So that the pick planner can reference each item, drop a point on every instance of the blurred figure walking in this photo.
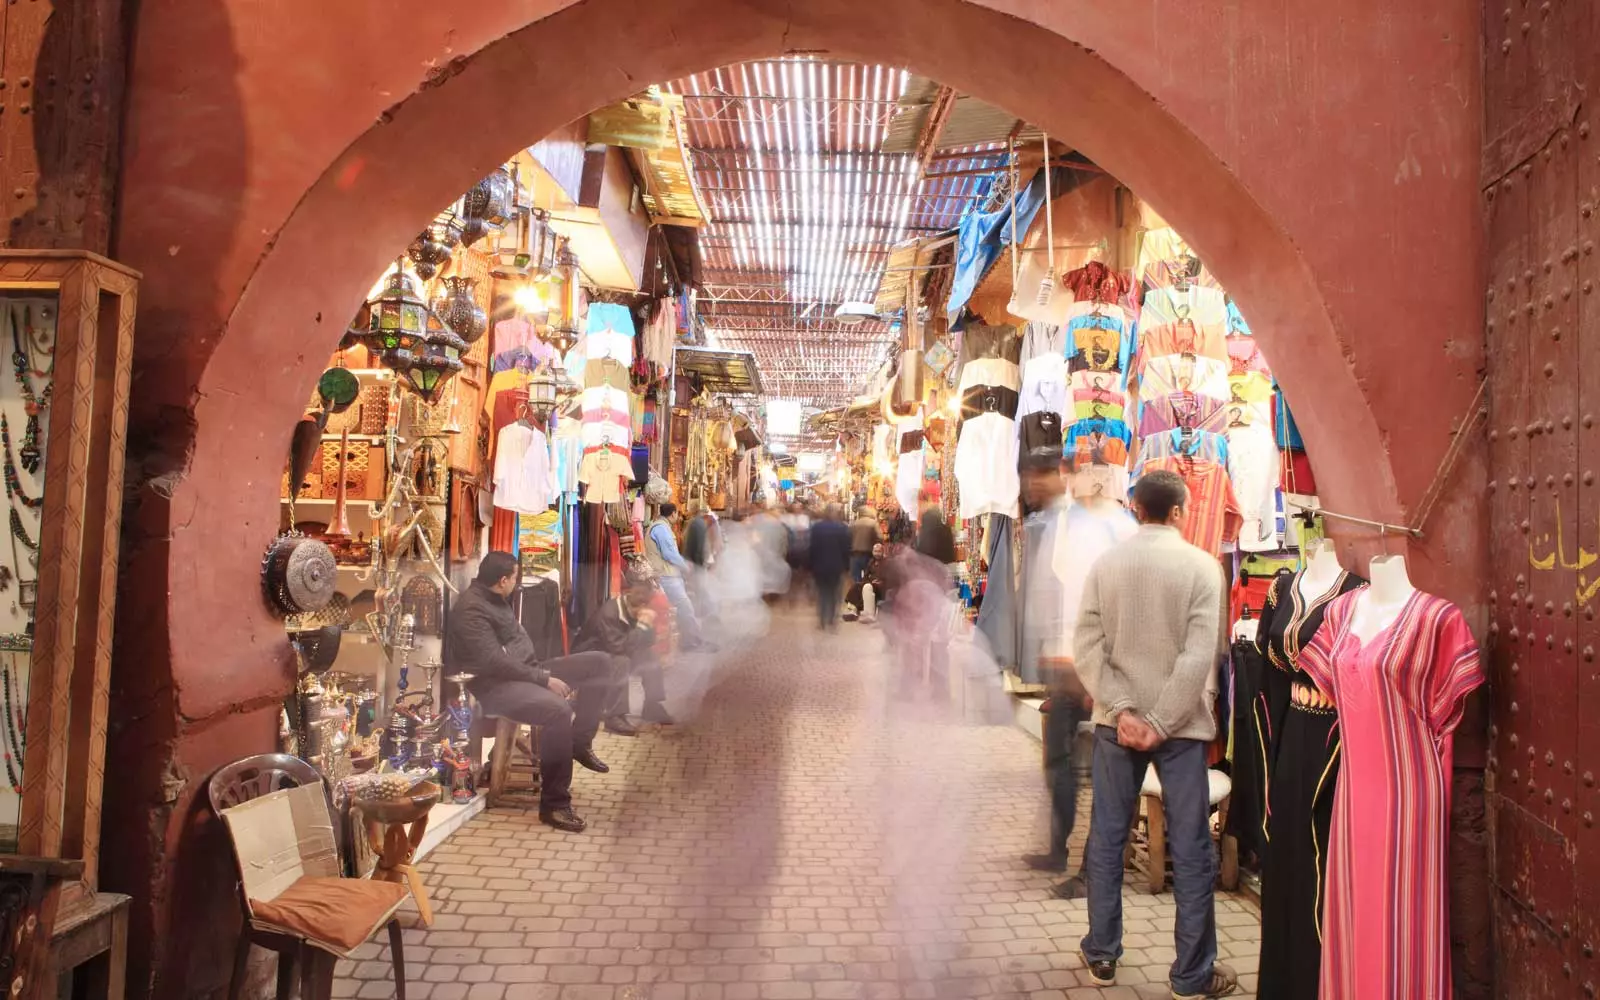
(830, 559)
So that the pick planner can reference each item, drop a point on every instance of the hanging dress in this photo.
(1298, 728)
(1386, 926)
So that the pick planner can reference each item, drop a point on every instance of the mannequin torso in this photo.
(1321, 573)
(1384, 600)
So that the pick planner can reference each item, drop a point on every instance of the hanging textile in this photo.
(983, 235)
(997, 618)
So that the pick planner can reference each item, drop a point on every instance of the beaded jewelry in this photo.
(13, 477)
(36, 404)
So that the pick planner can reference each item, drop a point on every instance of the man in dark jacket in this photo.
(624, 629)
(830, 560)
(486, 640)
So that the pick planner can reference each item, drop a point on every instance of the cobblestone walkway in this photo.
(801, 837)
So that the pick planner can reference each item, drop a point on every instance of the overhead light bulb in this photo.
(529, 300)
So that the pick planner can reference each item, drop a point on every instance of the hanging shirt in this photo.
(603, 472)
(1250, 398)
(567, 448)
(1253, 467)
(608, 317)
(1106, 404)
(516, 344)
(1097, 441)
(1182, 337)
(1039, 339)
(1211, 516)
(986, 443)
(1202, 306)
(909, 462)
(1244, 356)
(1044, 385)
(1178, 410)
(1183, 444)
(522, 470)
(608, 345)
(1098, 340)
(1169, 373)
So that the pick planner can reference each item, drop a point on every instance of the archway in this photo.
(260, 212)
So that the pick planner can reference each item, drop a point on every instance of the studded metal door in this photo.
(1541, 173)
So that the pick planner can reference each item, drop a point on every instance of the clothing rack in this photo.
(1383, 526)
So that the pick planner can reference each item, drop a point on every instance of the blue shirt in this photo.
(661, 534)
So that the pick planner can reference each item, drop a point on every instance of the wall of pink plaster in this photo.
(1322, 157)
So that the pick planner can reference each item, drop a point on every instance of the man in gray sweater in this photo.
(1146, 651)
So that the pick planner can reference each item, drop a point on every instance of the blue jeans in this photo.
(1118, 775)
(858, 566)
(678, 596)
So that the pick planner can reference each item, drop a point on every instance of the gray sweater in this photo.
(1147, 634)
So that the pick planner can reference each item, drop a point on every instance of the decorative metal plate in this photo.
(298, 574)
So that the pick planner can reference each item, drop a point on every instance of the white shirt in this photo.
(1253, 465)
(522, 470)
(986, 465)
(1044, 386)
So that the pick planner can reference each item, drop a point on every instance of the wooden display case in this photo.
(57, 920)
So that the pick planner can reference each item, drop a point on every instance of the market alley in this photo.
(801, 836)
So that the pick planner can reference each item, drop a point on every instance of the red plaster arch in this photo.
(376, 195)
(314, 198)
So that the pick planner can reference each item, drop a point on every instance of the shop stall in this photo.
(487, 396)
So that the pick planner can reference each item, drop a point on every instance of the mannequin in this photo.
(1321, 572)
(1383, 601)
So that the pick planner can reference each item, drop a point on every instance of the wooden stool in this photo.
(395, 844)
(513, 767)
(1156, 828)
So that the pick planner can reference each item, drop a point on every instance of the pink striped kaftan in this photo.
(1386, 923)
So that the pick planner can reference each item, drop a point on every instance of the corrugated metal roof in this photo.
(807, 205)
(971, 123)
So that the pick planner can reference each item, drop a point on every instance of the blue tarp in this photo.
(983, 235)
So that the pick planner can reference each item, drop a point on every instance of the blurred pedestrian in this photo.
(669, 565)
(864, 535)
(830, 559)
(1146, 652)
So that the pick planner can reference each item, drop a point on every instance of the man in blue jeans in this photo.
(661, 551)
(1146, 650)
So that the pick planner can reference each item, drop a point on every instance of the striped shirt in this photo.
(1211, 516)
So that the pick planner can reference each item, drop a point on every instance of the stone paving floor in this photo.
(801, 837)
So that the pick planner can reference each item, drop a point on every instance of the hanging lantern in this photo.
(542, 244)
(542, 392)
(433, 364)
(397, 320)
(564, 334)
(489, 205)
(433, 247)
(459, 310)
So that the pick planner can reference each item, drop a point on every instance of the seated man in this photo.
(486, 640)
(624, 629)
(861, 604)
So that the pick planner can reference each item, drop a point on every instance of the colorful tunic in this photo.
(1386, 925)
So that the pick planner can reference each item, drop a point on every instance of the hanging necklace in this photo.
(35, 403)
(16, 730)
(20, 533)
(13, 478)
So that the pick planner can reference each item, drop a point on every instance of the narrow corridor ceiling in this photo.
(813, 171)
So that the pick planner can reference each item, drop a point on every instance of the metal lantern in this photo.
(564, 334)
(458, 308)
(433, 247)
(489, 205)
(542, 244)
(434, 364)
(542, 392)
(397, 320)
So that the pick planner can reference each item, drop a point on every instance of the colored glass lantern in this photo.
(397, 320)
(436, 361)
(542, 391)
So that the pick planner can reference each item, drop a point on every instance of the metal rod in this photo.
(1385, 526)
